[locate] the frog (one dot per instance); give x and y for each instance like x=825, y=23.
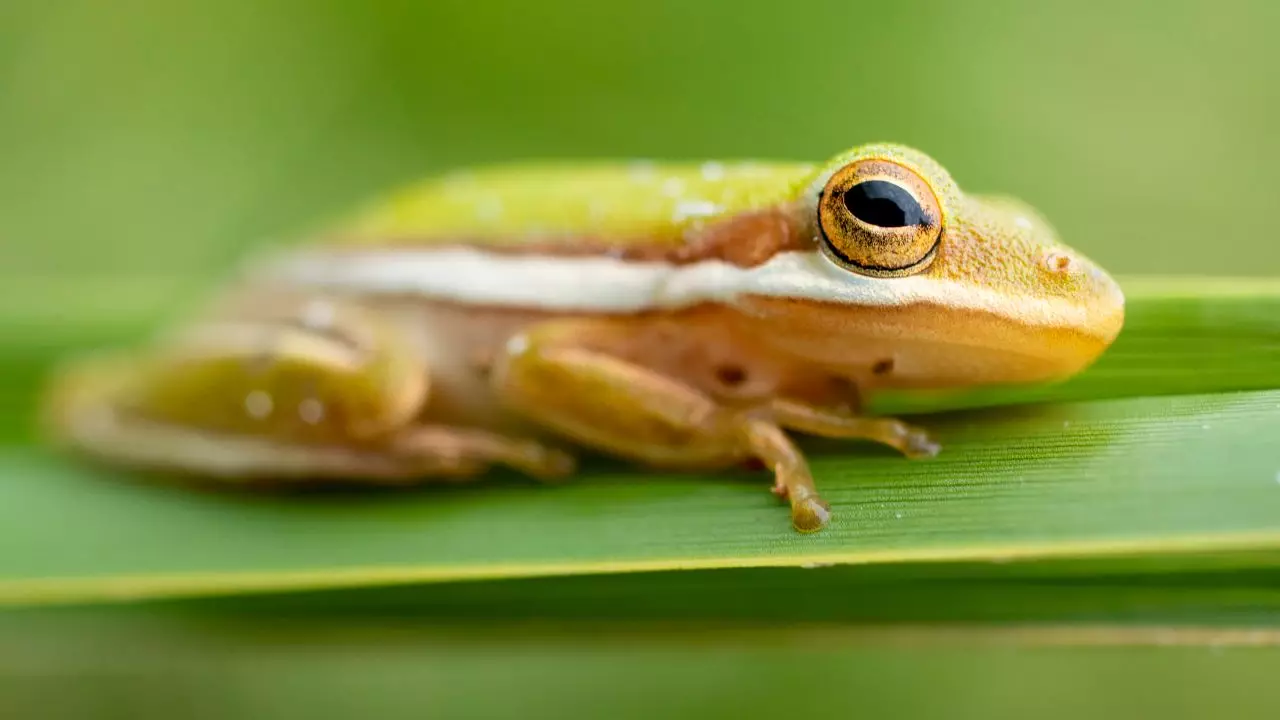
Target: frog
x=681, y=316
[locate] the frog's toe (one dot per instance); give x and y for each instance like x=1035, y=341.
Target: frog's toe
x=919, y=444
x=810, y=514
x=548, y=464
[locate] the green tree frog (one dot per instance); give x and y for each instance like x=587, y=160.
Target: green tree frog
x=682, y=316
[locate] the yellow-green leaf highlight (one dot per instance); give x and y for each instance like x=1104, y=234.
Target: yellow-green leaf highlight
x=1146, y=475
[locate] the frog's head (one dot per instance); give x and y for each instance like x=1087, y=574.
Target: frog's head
x=916, y=284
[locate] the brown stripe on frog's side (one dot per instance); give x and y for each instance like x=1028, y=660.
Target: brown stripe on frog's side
x=744, y=240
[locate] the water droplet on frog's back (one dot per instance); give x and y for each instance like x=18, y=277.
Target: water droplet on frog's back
x=488, y=208
x=258, y=404
x=712, y=171
x=311, y=411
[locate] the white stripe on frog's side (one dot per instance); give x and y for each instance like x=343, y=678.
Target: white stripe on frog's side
x=611, y=285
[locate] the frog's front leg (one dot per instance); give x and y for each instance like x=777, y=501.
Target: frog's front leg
x=304, y=390
x=566, y=376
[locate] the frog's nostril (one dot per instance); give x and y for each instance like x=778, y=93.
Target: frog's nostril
x=1057, y=262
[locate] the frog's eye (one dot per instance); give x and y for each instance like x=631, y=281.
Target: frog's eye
x=879, y=218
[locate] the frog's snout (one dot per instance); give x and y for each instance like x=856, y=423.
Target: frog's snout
x=1111, y=306
x=1089, y=287
x=1101, y=297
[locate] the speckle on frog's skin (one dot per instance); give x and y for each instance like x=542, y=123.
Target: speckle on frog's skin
x=258, y=404
x=656, y=207
x=686, y=209
x=517, y=344
x=459, y=182
x=712, y=171
x=642, y=170
x=318, y=315
x=597, y=209
x=489, y=209
x=673, y=187
x=311, y=411
x=101, y=418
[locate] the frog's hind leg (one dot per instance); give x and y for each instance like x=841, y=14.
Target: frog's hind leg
x=312, y=390
x=564, y=376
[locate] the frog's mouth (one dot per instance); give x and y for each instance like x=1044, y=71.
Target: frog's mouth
x=928, y=345
x=957, y=348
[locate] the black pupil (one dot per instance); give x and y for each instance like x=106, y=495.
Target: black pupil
x=884, y=204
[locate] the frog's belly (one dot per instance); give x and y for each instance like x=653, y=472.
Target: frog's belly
x=695, y=346
x=460, y=344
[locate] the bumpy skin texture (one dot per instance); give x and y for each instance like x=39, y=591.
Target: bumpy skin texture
x=615, y=204
x=678, y=315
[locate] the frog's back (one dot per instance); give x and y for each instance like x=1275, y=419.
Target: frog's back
x=609, y=203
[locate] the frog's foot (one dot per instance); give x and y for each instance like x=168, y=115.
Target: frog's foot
x=462, y=452
x=809, y=512
x=909, y=440
x=792, y=479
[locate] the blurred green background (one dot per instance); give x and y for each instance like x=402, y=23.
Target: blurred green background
x=156, y=142
x=159, y=140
